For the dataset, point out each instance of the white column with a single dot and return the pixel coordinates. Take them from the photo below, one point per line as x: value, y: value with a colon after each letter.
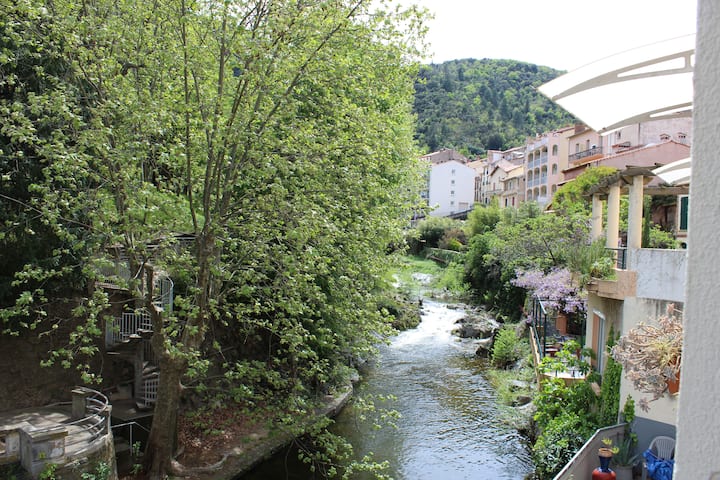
x: 597, y: 215
x: 635, y: 213
x: 613, y: 217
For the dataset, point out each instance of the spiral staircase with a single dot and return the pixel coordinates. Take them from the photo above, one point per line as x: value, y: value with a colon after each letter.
x: 127, y: 337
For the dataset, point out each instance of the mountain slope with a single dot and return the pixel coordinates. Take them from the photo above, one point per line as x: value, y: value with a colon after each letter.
x: 475, y: 105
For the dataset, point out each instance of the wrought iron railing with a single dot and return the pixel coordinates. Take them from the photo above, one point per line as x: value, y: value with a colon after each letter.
x: 585, y: 153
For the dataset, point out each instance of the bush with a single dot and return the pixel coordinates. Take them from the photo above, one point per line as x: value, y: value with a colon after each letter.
x: 562, y: 437
x: 659, y: 238
x: 453, y: 239
x: 506, y: 349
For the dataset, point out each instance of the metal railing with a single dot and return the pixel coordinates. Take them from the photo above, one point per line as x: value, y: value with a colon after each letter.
x: 585, y: 153
x: 150, y: 389
x: 164, y: 289
x: 129, y: 323
x: 539, y: 318
x: 91, y: 419
x: 130, y: 428
x: 620, y: 255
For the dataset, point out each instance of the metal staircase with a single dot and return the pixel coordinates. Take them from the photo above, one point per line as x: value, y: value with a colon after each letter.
x: 128, y: 337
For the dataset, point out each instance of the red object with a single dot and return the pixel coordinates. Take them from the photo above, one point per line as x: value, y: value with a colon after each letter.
x: 600, y: 475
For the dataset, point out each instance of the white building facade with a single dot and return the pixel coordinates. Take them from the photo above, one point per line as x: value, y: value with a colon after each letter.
x: 451, y: 188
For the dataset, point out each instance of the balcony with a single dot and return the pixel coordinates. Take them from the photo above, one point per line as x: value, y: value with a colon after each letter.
x: 594, y: 151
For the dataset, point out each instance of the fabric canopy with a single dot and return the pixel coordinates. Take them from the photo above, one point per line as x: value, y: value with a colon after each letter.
x: 647, y: 83
x: 675, y: 173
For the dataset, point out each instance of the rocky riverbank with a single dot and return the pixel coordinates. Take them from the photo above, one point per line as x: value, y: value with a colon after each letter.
x: 241, y: 449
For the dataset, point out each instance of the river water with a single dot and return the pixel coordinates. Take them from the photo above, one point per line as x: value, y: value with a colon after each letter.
x: 448, y: 427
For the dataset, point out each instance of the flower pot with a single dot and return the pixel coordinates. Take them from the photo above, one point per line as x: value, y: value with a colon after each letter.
x: 605, y: 455
x: 561, y: 322
x: 673, y: 385
x: 623, y: 472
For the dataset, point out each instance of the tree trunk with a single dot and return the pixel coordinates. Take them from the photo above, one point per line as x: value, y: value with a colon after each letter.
x: 162, y: 440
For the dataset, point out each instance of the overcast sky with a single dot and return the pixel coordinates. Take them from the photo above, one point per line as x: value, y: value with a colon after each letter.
x: 562, y: 34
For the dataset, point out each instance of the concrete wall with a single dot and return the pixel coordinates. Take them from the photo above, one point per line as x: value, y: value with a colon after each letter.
x: 660, y: 273
x: 698, y: 420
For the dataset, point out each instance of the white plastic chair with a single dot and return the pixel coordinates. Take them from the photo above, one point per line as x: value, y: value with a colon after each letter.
x: 663, y: 448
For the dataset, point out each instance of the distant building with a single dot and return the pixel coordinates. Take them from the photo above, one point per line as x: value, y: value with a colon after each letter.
x: 494, y: 169
x: 546, y: 156
x: 451, y: 183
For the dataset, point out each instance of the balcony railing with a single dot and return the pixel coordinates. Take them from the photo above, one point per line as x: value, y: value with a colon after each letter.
x: 620, y: 255
x: 585, y: 153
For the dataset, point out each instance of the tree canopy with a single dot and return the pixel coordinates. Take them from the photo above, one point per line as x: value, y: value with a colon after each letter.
x: 224, y: 122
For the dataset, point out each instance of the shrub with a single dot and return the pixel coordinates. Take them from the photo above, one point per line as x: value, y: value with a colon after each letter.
x: 556, y: 445
x: 506, y: 349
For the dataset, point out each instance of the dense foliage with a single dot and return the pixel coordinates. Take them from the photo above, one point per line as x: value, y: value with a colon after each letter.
x: 126, y: 123
x: 477, y: 105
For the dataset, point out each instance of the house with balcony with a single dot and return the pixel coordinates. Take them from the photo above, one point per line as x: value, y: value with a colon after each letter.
x: 646, y: 281
x: 497, y: 169
x: 641, y: 144
x: 546, y: 156
x: 513, y: 187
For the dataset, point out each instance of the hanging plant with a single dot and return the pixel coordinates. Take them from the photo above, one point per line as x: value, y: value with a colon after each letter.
x: 651, y: 353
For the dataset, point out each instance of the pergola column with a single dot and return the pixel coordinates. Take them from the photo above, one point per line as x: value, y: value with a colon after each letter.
x: 635, y: 212
x: 597, y: 215
x: 613, y: 216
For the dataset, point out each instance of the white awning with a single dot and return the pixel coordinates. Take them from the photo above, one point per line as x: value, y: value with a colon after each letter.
x: 647, y: 83
x: 675, y: 173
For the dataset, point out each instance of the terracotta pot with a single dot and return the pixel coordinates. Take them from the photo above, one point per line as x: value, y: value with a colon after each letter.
x: 561, y: 322
x: 673, y: 385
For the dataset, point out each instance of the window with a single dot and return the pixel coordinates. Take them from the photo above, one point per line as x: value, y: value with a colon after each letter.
x: 452, y: 172
x: 664, y: 137
x: 554, y: 169
x: 577, y: 147
x: 452, y: 182
x: 555, y: 150
x: 452, y: 203
x: 452, y: 193
x: 684, y: 205
x: 682, y: 137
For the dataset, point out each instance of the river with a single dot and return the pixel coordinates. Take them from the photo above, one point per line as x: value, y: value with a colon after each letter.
x: 448, y: 426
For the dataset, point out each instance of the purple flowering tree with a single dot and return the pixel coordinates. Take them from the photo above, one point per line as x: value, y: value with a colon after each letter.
x: 555, y: 287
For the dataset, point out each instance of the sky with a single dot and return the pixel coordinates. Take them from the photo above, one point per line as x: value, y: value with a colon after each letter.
x: 562, y: 34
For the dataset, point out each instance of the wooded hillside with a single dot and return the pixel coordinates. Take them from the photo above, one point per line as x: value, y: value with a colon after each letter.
x: 476, y: 105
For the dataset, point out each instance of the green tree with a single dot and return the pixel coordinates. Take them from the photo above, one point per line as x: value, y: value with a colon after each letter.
x: 227, y: 122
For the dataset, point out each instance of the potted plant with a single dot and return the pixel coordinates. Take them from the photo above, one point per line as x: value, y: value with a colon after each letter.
x: 625, y: 458
x: 606, y: 453
x: 650, y: 355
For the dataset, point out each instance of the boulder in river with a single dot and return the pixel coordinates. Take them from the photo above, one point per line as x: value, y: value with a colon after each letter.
x: 476, y: 325
x: 484, y: 347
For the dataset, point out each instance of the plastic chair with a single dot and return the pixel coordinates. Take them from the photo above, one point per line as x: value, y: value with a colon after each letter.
x: 663, y: 448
